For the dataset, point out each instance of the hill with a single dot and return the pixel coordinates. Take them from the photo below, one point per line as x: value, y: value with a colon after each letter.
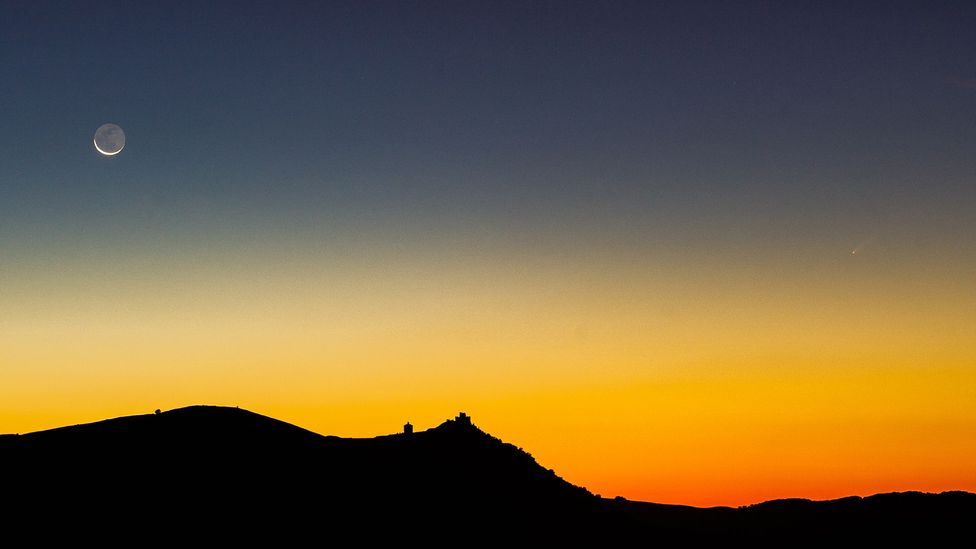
x: 234, y: 475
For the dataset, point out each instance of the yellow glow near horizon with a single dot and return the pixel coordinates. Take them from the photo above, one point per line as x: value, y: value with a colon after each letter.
x: 639, y: 381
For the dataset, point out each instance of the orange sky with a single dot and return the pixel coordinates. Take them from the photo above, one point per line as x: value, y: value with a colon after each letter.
x: 656, y: 380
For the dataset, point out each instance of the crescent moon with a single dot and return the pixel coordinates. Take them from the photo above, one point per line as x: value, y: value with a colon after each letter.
x: 106, y: 153
x: 109, y: 139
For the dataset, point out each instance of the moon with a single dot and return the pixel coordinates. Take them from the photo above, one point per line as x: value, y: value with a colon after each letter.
x: 109, y: 139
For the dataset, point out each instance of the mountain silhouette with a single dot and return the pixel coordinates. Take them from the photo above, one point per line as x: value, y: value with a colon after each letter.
x: 228, y: 474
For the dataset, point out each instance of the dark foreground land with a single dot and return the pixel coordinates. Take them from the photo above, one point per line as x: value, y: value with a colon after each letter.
x: 229, y: 475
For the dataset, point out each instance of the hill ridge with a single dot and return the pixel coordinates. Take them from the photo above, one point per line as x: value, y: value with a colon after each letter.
x: 247, y: 466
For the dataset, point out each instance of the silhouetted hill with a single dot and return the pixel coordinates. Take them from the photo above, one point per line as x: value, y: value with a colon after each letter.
x: 231, y: 474
x: 231, y: 466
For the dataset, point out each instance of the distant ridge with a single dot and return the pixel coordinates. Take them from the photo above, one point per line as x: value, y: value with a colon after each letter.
x: 235, y: 474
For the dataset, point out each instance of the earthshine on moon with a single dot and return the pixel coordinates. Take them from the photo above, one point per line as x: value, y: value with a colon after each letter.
x: 109, y: 139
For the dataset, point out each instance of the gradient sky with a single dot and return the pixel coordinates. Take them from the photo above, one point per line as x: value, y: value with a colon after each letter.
x: 619, y: 235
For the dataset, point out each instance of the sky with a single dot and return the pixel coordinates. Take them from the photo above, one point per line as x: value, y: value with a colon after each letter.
x: 708, y: 253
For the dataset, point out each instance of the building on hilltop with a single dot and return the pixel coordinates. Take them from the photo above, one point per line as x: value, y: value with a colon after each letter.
x: 463, y: 419
x: 407, y: 428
